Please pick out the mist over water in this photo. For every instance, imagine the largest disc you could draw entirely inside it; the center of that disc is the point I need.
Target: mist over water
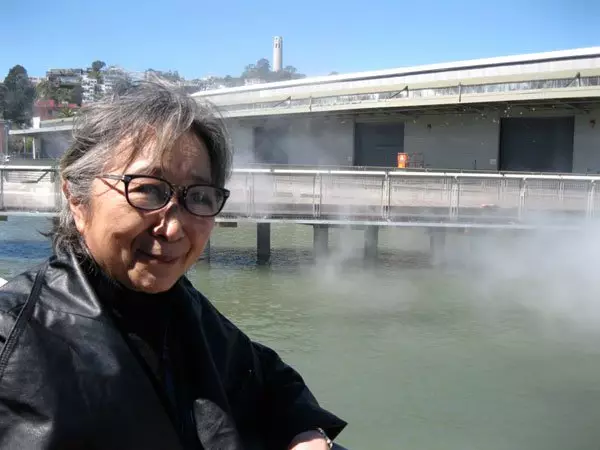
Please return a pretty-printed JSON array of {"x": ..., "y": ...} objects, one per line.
[
  {"x": 554, "y": 272},
  {"x": 497, "y": 349}
]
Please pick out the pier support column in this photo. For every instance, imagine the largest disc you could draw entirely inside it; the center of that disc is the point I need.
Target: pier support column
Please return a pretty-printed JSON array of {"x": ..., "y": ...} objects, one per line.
[
  {"x": 263, "y": 243},
  {"x": 371, "y": 241},
  {"x": 437, "y": 246},
  {"x": 320, "y": 240},
  {"x": 206, "y": 253}
]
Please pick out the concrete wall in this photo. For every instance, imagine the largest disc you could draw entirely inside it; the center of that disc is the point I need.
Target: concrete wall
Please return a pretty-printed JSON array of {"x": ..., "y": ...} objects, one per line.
[
  {"x": 464, "y": 141},
  {"x": 586, "y": 144},
  {"x": 452, "y": 141},
  {"x": 241, "y": 138}
]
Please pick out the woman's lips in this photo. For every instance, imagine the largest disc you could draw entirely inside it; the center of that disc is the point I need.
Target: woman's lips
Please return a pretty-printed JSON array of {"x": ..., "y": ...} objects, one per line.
[{"x": 162, "y": 258}]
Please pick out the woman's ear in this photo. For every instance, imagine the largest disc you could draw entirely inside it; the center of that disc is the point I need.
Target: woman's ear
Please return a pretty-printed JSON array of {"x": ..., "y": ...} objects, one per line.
[{"x": 77, "y": 208}]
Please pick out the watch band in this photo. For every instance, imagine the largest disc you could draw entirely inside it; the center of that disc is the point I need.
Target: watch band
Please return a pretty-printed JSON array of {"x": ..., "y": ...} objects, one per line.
[{"x": 327, "y": 440}]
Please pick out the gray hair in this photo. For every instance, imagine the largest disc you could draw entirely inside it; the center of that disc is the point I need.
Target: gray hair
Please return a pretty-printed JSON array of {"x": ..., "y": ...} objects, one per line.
[{"x": 143, "y": 112}]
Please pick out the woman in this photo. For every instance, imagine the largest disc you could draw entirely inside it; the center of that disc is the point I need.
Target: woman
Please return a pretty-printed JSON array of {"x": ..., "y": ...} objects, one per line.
[{"x": 107, "y": 345}]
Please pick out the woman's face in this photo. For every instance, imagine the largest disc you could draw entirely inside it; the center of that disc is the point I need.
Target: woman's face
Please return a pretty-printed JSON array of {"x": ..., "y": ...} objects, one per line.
[{"x": 147, "y": 251}]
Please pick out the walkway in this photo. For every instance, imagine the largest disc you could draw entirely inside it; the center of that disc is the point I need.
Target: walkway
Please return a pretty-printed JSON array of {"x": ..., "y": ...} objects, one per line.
[{"x": 367, "y": 197}]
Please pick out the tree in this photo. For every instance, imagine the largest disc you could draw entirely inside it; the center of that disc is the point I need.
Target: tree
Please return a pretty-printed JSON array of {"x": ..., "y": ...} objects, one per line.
[
  {"x": 249, "y": 71},
  {"x": 18, "y": 97},
  {"x": 288, "y": 73},
  {"x": 44, "y": 90},
  {"x": 96, "y": 71},
  {"x": 97, "y": 66},
  {"x": 2, "y": 98},
  {"x": 49, "y": 90},
  {"x": 65, "y": 112},
  {"x": 263, "y": 68},
  {"x": 262, "y": 71},
  {"x": 293, "y": 73},
  {"x": 62, "y": 95}
]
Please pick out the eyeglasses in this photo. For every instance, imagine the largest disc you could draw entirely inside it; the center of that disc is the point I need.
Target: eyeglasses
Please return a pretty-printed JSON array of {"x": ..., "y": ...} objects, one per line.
[{"x": 152, "y": 193}]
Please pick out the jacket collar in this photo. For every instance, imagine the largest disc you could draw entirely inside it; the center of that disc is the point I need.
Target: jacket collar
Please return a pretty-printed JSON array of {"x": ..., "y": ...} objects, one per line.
[{"x": 85, "y": 290}]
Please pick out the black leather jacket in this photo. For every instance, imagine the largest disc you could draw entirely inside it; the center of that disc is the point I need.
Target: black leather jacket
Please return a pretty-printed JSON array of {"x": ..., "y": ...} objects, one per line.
[{"x": 71, "y": 379}]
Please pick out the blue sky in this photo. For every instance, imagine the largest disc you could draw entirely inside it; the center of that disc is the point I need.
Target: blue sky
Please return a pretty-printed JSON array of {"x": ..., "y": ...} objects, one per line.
[{"x": 200, "y": 37}]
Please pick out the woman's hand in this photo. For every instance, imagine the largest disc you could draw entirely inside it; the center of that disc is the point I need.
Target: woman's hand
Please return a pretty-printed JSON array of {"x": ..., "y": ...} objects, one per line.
[{"x": 309, "y": 440}]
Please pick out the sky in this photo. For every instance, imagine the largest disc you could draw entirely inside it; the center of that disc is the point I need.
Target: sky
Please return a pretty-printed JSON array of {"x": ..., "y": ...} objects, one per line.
[{"x": 200, "y": 38}]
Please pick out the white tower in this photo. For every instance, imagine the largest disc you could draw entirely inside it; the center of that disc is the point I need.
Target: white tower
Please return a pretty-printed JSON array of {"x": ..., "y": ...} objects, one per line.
[{"x": 277, "y": 53}]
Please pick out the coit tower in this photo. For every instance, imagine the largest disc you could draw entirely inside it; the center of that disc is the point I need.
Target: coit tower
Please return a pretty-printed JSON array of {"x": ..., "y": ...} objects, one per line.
[{"x": 277, "y": 53}]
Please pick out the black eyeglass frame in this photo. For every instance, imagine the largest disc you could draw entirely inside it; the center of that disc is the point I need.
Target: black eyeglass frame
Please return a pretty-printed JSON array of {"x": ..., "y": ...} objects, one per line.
[{"x": 175, "y": 189}]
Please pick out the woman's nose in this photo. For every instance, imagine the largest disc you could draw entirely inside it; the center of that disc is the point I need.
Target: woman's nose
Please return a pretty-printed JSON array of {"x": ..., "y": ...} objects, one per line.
[{"x": 170, "y": 226}]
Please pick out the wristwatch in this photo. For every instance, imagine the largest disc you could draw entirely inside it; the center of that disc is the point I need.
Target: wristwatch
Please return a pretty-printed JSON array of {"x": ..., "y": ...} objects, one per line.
[{"x": 327, "y": 440}]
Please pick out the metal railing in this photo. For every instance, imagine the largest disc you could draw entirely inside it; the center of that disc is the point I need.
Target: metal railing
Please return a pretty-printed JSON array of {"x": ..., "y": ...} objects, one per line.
[{"x": 334, "y": 194}]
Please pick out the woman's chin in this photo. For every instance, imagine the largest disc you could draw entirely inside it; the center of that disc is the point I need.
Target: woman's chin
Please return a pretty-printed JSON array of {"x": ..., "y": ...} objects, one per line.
[{"x": 153, "y": 280}]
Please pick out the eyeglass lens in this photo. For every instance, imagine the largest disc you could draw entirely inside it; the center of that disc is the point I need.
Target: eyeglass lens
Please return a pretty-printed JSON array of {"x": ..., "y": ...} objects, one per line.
[{"x": 151, "y": 193}]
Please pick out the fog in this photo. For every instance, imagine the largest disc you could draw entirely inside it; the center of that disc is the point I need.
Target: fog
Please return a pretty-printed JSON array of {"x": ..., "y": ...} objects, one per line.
[
  {"x": 550, "y": 276},
  {"x": 555, "y": 273},
  {"x": 549, "y": 273},
  {"x": 309, "y": 142}
]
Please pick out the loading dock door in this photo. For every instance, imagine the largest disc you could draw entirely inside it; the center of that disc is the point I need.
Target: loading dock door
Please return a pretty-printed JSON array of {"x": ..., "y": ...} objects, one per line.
[
  {"x": 269, "y": 145},
  {"x": 539, "y": 144},
  {"x": 378, "y": 144}
]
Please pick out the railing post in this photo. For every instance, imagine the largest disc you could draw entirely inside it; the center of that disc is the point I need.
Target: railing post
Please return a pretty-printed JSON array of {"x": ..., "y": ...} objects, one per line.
[
  {"x": 561, "y": 191},
  {"x": 252, "y": 193},
  {"x": 385, "y": 197},
  {"x": 454, "y": 197},
  {"x": 522, "y": 197},
  {"x": 1, "y": 189},
  {"x": 320, "y": 195},
  {"x": 316, "y": 193},
  {"x": 247, "y": 193},
  {"x": 589, "y": 210},
  {"x": 389, "y": 196}
]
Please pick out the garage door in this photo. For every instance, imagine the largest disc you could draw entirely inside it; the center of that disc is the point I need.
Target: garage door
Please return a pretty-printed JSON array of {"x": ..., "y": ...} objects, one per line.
[
  {"x": 540, "y": 144},
  {"x": 378, "y": 144}
]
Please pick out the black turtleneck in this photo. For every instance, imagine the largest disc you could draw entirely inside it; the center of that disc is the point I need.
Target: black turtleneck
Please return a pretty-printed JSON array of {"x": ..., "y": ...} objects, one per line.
[
  {"x": 144, "y": 320},
  {"x": 142, "y": 317}
]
